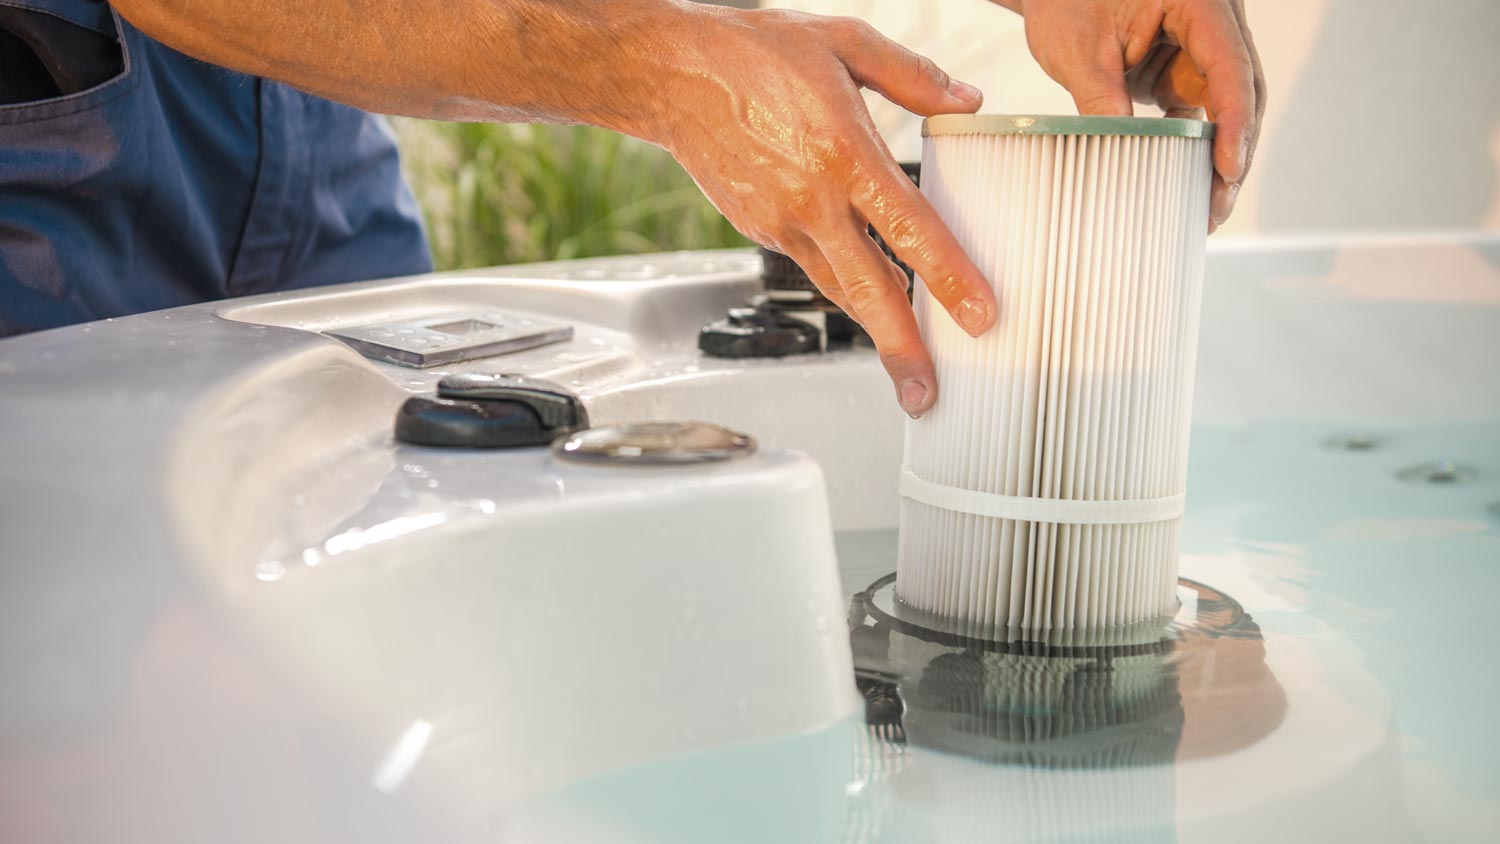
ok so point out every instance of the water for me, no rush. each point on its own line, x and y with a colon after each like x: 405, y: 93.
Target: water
x: 1329, y: 678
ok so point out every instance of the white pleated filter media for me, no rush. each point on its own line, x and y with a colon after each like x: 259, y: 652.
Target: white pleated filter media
x: 1044, y: 491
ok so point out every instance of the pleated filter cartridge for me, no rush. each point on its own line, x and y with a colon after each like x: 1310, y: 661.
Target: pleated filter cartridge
x: 1045, y: 489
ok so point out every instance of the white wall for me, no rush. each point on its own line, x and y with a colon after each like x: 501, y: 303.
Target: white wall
x: 1383, y: 114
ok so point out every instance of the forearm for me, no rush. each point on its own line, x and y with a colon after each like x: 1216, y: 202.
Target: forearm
x: 606, y: 62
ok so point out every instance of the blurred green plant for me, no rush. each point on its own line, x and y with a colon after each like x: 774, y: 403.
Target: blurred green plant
x: 505, y: 194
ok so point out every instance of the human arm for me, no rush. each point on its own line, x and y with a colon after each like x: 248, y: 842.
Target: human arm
x: 761, y: 107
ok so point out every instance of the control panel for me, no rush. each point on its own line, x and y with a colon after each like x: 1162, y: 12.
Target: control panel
x: 451, y: 338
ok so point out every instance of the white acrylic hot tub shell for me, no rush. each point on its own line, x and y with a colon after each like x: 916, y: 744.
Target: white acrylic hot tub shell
x: 232, y: 609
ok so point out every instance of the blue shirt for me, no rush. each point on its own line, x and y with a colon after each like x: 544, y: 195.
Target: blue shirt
x: 176, y: 181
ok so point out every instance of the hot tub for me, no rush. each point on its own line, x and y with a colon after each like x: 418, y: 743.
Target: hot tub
x: 235, y: 608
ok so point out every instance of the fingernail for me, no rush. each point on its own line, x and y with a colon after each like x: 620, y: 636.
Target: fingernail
x: 974, y: 316
x: 1224, y: 212
x: 963, y: 91
x: 912, y: 394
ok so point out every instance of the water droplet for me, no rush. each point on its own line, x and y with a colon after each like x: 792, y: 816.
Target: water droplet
x: 270, y: 571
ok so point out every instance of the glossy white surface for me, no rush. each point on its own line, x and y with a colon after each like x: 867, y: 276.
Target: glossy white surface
x: 232, y: 609
x: 226, y: 584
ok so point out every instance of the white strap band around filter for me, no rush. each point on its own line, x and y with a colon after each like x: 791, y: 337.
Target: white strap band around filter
x: 1028, y: 509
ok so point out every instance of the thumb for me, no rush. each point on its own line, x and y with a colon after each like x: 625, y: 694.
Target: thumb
x: 1182, y: 88
x: 908, y: 79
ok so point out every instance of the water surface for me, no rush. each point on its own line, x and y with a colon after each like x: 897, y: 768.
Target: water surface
x: 1328, y: 678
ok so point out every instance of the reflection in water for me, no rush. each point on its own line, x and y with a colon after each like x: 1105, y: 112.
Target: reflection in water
x: 1136, y: 698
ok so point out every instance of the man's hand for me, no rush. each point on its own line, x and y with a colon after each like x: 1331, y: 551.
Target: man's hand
x: 1182, y: 55
x: 769, y: 120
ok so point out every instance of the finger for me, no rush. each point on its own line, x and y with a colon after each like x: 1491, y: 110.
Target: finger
x: 899, y: 276
x: 1098, y: 83
x: 1180, y: 90
x: 1211, y: 36
x: 907, y: 79
x: 865, y: 275
x: 810, y: 259
x: 1221, y: 202
x: 913, y: 230
x: 1181, y: 85
x: 812, y: 262
x: 1259, y: 82
x: 1142, y: 79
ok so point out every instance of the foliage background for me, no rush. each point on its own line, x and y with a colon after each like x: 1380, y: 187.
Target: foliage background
x: 505, y: 194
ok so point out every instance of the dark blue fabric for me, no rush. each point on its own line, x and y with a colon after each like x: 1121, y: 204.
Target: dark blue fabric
x: 180, y: 182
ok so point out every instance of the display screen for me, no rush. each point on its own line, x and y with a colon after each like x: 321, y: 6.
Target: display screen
x: 462, y: 326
